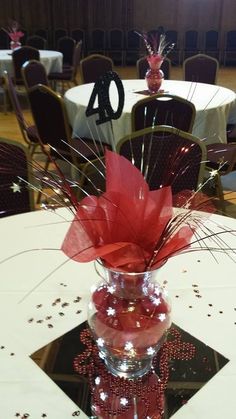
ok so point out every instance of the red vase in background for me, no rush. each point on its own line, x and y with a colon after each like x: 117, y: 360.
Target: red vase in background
x: 129, y: 315
x: 154, y: 75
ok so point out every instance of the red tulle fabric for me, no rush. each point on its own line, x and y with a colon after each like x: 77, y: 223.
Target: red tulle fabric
x: 126, y: 225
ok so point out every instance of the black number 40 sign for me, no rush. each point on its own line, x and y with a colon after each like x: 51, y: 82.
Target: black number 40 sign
x: 101, y: 90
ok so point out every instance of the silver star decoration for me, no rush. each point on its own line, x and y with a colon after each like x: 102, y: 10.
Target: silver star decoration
x: 97, y: 381
x: 157, y: 290
x: 111, y: 289
x: 123, y: 401
x: 162, y: 317
x: 15, y: 187
x: 128, y: 346
x: 156, y: 301
x: 103, y: 396
x: 100, y: 342
x: 111, y: 311
x: 150, y: 351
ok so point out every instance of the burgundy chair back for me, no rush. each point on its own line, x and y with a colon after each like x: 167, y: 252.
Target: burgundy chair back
x: 36, y: 41
x: 33, y: 73
x: 166, y: 156
x: 94, y: 66
x: 163, y: 109
x: 66, y: 46
x: 19, y: 57
x: 142, y: 67
x: 201, y: 68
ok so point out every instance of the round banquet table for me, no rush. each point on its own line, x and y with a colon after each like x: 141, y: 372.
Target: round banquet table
x: 27, y: 293
x: 214, y: 106
x: 52, y: 61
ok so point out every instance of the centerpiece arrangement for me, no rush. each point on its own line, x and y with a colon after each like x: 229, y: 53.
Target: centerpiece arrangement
x: 15, y: 35
x: 157, y: 49
x: 131, y: 231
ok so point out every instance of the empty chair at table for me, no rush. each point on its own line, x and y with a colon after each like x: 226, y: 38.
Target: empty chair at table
x: 142, y: 66
x: 19, y: 57
x: 59, y: 33
x: 201, y: 68
x: 33, y: 72
x: 230, y: 47
x: 36, y: 41
x: 166, y: 156
x: 16, y: 196
x: 163, y: 109
x: 28, y: 131
x: 115, y: 45
x: 66, y: 46
x: 4, y: 39
x: 97, y: 41
x: 51, y: 120
x: 68, y: 74
x: 190, y: 43
x: 94, y: 66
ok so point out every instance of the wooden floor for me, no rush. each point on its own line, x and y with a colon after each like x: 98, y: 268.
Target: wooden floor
x: 226, y: 77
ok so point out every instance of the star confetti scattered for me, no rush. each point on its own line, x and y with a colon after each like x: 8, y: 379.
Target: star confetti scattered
x: 103, y: 396
x: 111, y: 311
x: 100, y: 342
x: 123, y: 401
x: 97, y: 380
x: 15, y: 187
x: 150, y: 351
x: 162, y: 317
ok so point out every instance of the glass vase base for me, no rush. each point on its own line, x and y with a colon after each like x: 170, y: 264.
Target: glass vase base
x: 128, y: 369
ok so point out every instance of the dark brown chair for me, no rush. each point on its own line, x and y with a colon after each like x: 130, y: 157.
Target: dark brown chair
x: 43, y: 33
x: 66, y: 46
x: 175, y: 54
x: 115, y: 47
x: 19, y: 57
x: 166, y: 156
x: 36, y: 41
x: 221, y: 160
x: 15, y: 197
x: 190, y: 44
x: 132, y: 47
x: 29, y: 132
x: 97, y: 41
x: 50, y: 117
x: 229, y: 56
x: 163, y: 109
x: 142, y: 66
x: 78, y: 35
x: 59, y: 33
x: 33, y: 72
x: 68, y: 74
x: 211, y: 44
x: 201, y: 68
x: 94, y: 66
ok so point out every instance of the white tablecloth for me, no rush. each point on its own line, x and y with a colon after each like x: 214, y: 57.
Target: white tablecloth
x: 214, y: 105
x: 52, y: 61
x: 24, y: 388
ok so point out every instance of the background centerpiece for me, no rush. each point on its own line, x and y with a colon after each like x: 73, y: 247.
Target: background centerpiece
x: 157, y: 49
x: 15, y: 35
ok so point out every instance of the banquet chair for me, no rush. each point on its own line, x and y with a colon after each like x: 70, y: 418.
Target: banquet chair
x: 201, y: 68
x: 51, y: 120
x: 97, y: 41
x: 166, y: 156
x: 4, y: 39
x: 230, y: 47
x: 19, y: 57
x: 33, y: 72
x: 142, y: 66
x: 15, y: 197
x: 78, y: 35
x: 68, y: 74
x: 132, y: 47
x: 94, y: 66
x: 190, y: 44
x: 29, y: 132
x: 211, y: 44
x: 36, y: 41
x: 175, y: 54
x: 59, y: 33
x: 115, y: 47
x: 66, y: 46
x: 163, y: 109
x: 221, y: 160
x: 43, y: 33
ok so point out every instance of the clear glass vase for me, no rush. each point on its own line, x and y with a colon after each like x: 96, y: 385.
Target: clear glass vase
x: 129, y: 315
x: 15, y: 45
x: 154, y: 78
